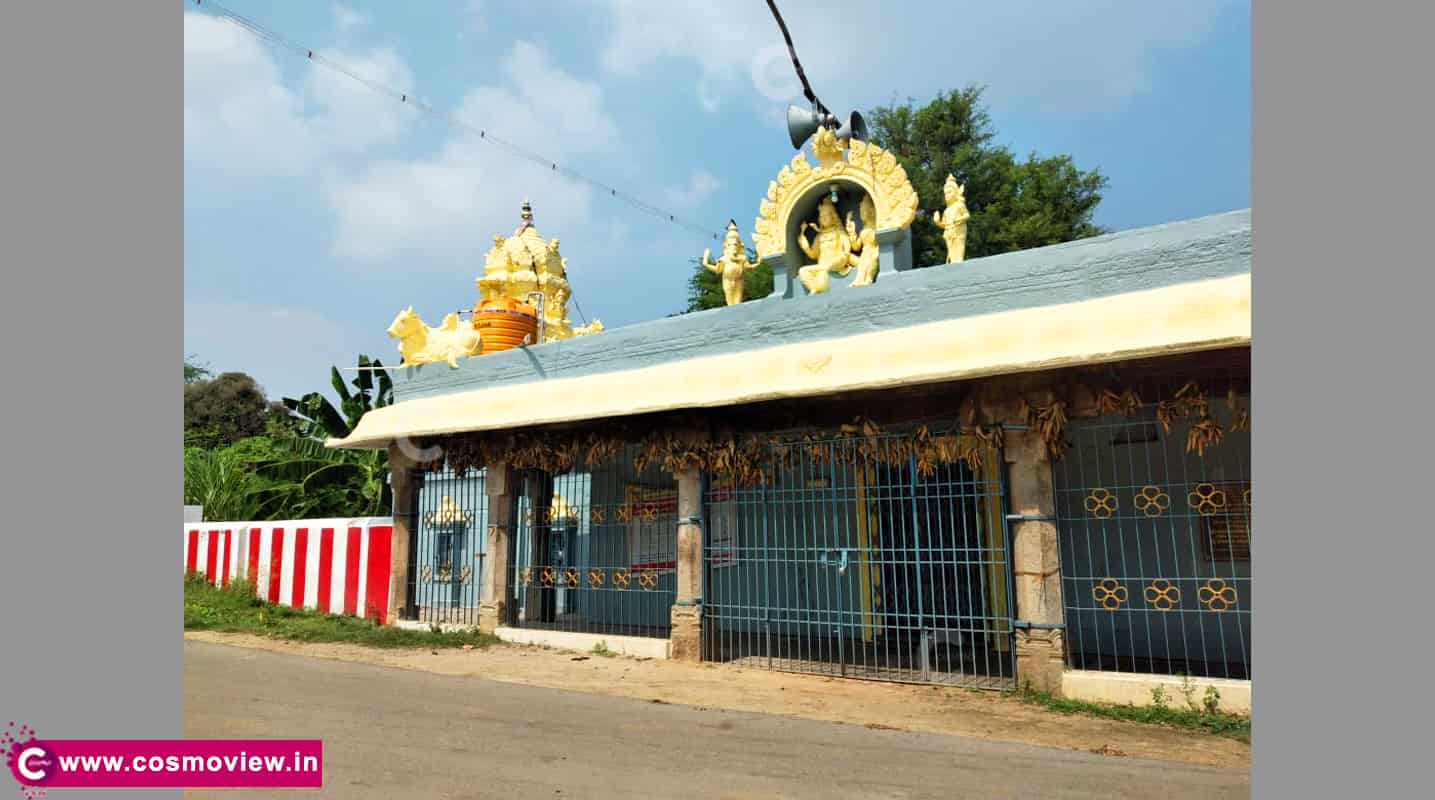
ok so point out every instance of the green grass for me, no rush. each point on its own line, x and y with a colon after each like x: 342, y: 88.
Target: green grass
x: 236, y: 609
x: 1216, y: 723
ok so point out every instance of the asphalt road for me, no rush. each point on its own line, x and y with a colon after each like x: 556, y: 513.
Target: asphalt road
x: 392, y: 733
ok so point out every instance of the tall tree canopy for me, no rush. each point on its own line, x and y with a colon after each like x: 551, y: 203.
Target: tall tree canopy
x: 223, y: 410
x: 1015, y: 203
x: 194, y: 371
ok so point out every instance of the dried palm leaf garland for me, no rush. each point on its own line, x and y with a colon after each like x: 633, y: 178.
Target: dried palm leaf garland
x: 752, y: 458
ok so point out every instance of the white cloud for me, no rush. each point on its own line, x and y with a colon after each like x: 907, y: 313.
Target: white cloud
x: 699, y: 187
x: 456, y: 199
x: 243, y: 121
x: 238, y: 115
x: 283, y: 346
x: 1063, y: 59
x: 347, y: 19
x: 351, y: 116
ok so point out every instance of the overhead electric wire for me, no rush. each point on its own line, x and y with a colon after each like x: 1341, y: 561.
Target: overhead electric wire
x: 407, y: 98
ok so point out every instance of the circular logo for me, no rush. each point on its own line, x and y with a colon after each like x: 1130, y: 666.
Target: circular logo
x: 34, y: 763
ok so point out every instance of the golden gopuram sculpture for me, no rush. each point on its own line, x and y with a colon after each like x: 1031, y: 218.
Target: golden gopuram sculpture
x: 850, y: 176
x: 523, y: 297
x: 519, y: 265
x: 953, y: 221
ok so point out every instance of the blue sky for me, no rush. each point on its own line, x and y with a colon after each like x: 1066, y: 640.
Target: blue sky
x: 315, y: 209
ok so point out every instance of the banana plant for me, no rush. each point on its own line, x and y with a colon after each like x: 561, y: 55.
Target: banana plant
x: 375, y: 389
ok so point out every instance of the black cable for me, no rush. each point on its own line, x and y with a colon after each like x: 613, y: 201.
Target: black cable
x: 792, y: 51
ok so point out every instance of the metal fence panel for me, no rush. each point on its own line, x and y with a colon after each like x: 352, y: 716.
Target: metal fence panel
x: 448, y: 549
x: 595, y: 550
x: 1155, y: 548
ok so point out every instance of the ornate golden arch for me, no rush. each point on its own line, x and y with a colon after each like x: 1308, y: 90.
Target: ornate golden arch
x: 875, y: 170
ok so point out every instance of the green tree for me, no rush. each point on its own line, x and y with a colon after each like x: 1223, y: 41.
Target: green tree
x: 1015, y: 204
x: 194, y: 371
x: 223, y: 410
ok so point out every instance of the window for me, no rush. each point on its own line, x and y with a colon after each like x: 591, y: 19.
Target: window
x: 1228, y: 532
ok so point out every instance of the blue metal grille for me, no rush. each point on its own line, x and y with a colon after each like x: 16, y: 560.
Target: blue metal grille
x: 1155, y: 548
x: 862, y: 567
x: 446, y: 560
x: 595, y: 550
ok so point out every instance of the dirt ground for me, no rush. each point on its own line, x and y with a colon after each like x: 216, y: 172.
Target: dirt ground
x: 928, y: 709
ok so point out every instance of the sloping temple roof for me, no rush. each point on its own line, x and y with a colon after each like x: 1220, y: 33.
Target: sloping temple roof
x: 1175, y: 288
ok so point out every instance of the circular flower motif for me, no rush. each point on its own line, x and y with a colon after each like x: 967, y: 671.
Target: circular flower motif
x: 1109, y: 593
x: 1217, y: 595
x: 1151, y: 501
x: 427, y: 573
x: 548, y: 576
x: 1101, y: 503
x: 596, y: 516
x: 1207, y: 499
x: 570, y: 577
x: 596, y: 577
x: 1163, y: 595
x: 621, y: 578
x: 648, y: 580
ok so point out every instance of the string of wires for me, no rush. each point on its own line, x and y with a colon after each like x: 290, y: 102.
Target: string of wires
x: 407, y: 98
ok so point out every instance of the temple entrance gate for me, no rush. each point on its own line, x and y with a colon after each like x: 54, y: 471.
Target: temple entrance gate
x: 847, y: 566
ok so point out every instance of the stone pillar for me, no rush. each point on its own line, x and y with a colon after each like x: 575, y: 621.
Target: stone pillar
x: 404, y: 482
x: 784, y: 278
x: 502, y: 488
x: 685, y: 641
x: 1036, y: 563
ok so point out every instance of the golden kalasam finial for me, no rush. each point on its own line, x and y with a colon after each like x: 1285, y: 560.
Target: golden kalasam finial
x: 732, y: 265
x: 953, y: 221
x: 831, y: 248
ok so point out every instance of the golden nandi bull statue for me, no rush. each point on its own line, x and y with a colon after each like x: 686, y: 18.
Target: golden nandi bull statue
x: 420, y: 344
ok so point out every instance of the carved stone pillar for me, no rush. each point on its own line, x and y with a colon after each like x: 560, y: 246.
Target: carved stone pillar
x: 1036, y: 563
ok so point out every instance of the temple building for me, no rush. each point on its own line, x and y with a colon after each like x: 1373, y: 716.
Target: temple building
x: 1023, y: 469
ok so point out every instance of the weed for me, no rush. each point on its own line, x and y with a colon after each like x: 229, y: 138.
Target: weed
x: 236, y: 608
x: 601, y: 649
x: 1212, y: 701
x: 1231, y: 726
x: 1158, y: 696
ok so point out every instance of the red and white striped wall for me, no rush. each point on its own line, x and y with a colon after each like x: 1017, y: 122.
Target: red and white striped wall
x: 337, y: 566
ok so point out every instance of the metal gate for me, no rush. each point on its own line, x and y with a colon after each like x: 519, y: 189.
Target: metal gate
x: 595, y: 549
x: 446, y: 559
x: 847, y: 565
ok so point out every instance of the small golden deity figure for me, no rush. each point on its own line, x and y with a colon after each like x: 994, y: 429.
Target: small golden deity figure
x: 732, y: 266
x: 953, y: 221
x: 864, y: 245
x: 831, y: 248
